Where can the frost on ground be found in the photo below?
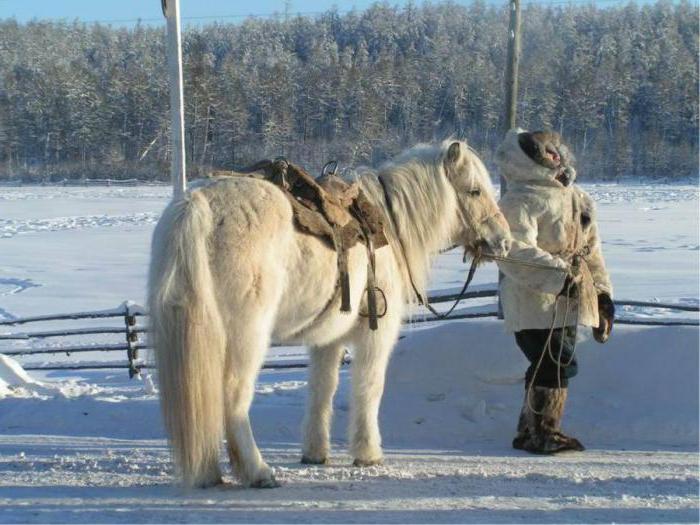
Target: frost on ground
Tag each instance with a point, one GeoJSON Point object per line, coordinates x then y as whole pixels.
{"type": "Point", "coordinates": [89, 446]}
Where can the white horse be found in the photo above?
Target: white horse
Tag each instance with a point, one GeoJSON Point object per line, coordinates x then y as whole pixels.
{"type": "Point", "coordinates": [230, 274]}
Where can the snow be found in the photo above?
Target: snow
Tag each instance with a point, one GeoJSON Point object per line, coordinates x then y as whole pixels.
{"type": "Point", "coordinates": [11, 375]}
{"type": "Point", "coordinates": [88, 446]}
{"type": "Point", "coordinates": [473, 388]}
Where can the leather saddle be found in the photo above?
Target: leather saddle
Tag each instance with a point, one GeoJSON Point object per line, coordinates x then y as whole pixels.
{"type": "Point", "coordinates": [331, 209]}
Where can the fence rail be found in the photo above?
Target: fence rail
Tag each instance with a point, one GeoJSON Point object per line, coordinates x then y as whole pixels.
{"type": "Point", "coordinates": [130, 312]}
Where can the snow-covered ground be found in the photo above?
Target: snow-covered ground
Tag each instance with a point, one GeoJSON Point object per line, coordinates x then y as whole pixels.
{"type": "Point", "coordinates": [88, 446]}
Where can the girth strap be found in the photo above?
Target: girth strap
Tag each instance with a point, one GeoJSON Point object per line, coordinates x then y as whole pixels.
{"type": "Point", "coordinates": [343, 272]}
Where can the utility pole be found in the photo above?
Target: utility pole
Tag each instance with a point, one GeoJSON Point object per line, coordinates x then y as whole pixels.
{"type": "Point", "coordinates": [171, 11]}
{"type": "Point", "coordinates": [511, 78]}
{"type": "Point", "coordinates": [511, 93]}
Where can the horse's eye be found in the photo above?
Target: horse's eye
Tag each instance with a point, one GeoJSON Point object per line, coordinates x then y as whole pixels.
{"type": "Point", "coordinates": [475, 193]}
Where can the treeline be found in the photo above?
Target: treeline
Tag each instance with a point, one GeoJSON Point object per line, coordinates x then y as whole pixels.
{"type": "Point", "coordinates": [620, 83]}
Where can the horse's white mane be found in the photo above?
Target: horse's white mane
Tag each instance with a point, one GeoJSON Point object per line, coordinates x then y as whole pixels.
{"type": "Point", "coordinates": [424, 204]}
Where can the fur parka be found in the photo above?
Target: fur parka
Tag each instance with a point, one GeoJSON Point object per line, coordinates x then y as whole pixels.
{"type": "Point", "coordinates": [549, 223]}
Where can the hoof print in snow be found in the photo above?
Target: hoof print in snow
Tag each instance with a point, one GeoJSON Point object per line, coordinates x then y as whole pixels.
{"type": "Point", "coordinates": [473, 412]}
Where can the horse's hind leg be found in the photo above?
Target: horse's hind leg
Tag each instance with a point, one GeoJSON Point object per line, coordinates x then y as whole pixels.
{"type": "Point", "coordinates": [245, 353]}
{"type": "Point", "coordinates": [323, 381]}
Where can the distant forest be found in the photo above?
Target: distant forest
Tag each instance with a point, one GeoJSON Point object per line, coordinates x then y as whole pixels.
{"type": "Point", "coordinates": [89, 100]}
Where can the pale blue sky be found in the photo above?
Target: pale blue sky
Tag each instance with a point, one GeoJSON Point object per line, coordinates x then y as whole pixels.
{"type": "Point", "coordinates": [193, 11]}
{"type": "Point", "coordinates": [107, 10]}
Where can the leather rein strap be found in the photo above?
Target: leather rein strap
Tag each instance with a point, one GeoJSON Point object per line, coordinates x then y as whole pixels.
{"type": "Point", "coordinates": [421, 299]}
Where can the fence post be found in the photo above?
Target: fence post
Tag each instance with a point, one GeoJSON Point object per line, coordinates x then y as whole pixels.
{"type": "Point", "coordinates": [132, 340]}
{"type": "Point", "coordinates": [512, 65]}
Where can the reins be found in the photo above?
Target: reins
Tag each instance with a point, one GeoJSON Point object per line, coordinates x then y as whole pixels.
{"type": "Point", "coordinates": [472, 269]}
{"type": "Point", "coordinates": [547, 349]}
{"type": "Point", "coordinates": [462, 293]}
{"type": "Point", "coordinates": [419, 296]}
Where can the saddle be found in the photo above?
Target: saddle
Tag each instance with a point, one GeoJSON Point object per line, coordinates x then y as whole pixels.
{"type": "Point", "coordinates": [333, 210]}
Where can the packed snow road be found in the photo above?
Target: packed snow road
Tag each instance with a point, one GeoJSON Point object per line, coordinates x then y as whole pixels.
{"type": "Point", "coordinates": [119, 481]}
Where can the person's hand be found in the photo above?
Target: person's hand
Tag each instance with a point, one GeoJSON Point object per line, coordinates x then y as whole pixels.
{"type": "Point", "coordinates": [606, 313]}
{"type": "Point", "coordinates": [570, 288]}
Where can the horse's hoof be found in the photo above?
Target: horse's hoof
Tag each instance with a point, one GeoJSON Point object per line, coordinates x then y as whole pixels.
{"type": "Point", "coordinates": [306, 460]}
{"type": "Point", "coordinates": [207, 484]}
{"type": "Point", "coordinates": [266, 483]}
{"type": "Point", "coordinates": [367, 462]}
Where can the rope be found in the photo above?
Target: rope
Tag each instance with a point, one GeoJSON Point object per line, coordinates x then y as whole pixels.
{"type": "Point", "coordinates": [547, 348]}
{"type": "Point", "coordinates": [540, 266]}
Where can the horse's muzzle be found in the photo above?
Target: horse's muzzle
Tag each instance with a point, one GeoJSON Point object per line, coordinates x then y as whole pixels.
{"type": "Point", "coordinates": [498, 247]}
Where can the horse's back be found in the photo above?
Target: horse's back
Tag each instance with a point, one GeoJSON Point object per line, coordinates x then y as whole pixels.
{"type": "Point", "coordinates": [252, 237]}
{"type": "Point", "coordinates": [247, 208]}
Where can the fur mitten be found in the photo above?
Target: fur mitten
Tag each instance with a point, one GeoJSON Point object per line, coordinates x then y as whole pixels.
{"type": "Point", "coordinates": [606, 313]}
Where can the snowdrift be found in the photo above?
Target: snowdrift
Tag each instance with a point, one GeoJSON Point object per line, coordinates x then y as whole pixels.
{"type": "Point", "coordinates": [460, 384]}
{"type": "Point", "coordinates": [11, 375]}
{"type": "Point", "coordinates": [452, 386]}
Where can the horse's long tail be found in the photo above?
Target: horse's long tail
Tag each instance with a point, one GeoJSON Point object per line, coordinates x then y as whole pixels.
{"type": "Point", "coordinates": [188, 337]}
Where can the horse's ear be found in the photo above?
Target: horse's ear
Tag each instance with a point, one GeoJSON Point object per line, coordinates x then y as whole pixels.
{"type": "Point", "coordinates": [454, 152]}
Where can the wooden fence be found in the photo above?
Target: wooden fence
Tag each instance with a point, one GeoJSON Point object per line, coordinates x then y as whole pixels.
{"type": "Point", "coordinates": [127, 335]}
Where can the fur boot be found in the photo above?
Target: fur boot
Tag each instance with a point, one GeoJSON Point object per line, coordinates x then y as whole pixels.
{"type": "Point", "coordinates": [543, 416]}
{"type": "Point", "coordinates": [523, 435]}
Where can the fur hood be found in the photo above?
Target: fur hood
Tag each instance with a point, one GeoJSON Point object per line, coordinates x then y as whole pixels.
{"type": "Point", "coordinates": [518, 168]}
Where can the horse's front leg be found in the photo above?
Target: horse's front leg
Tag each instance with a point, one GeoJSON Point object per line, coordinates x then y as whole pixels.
{"type": "Point", "coordinates": [372, 351]}
{"type": "Point", "coordinates": [323, 381]}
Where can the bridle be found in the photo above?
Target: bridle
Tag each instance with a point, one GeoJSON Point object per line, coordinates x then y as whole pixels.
{"type": "Point", "coordinates": [476, 249]}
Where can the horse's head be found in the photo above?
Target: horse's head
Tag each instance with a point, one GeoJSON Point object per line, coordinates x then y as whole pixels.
{"type": "Point", "coordinates": [481, 223]}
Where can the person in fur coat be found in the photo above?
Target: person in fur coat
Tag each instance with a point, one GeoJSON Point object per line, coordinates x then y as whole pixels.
{"type": "Point", "coordinates": [557, 279]}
